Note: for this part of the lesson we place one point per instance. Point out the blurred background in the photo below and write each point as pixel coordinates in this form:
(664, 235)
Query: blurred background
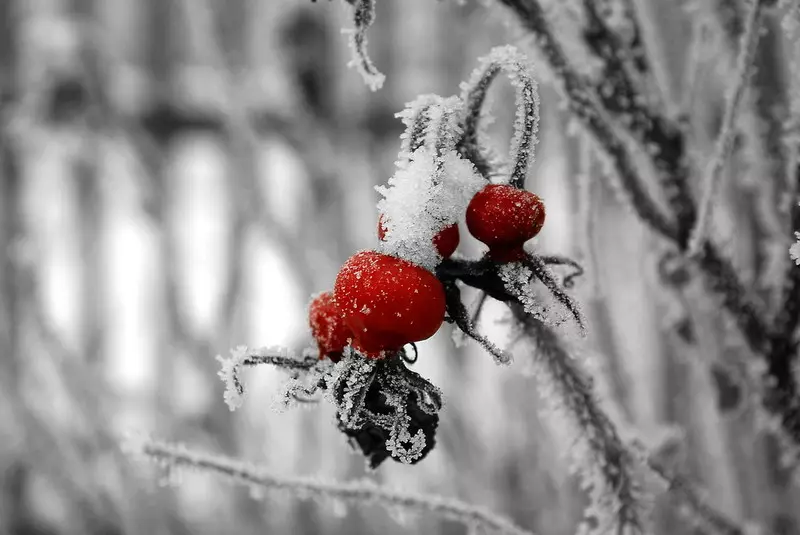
(177, 177)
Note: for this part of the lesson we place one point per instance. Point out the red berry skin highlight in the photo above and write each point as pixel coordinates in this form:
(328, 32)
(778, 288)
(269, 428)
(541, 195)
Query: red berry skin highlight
(504, 218)
(446, 240)
(328, 326)
(388, 302)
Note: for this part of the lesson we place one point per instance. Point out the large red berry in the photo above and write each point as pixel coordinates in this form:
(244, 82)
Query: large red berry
(328, 327)
(504, 218)
(388, 302)
(445, 241)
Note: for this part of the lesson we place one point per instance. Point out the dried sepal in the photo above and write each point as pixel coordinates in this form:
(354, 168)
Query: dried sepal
(526, 122)
(387, 411)
(558, 260)
(540, 270)
(461, 317)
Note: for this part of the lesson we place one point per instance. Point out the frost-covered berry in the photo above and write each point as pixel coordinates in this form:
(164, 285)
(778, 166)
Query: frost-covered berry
(327, 326)
(388, 302)
(445, 241)
(504, 218)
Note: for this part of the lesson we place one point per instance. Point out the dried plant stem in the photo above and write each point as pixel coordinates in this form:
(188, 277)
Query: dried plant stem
(357, 492)
(727, 132)
(603, 462)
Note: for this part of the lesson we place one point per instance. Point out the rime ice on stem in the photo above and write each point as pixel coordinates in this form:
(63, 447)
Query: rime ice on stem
(363, 17)
(608, 470)
(526, 122)
(352, 492)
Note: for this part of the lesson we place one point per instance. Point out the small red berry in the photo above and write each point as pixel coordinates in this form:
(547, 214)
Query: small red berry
(445, 241)
(388, 302)
(328, 327)
(504, 218)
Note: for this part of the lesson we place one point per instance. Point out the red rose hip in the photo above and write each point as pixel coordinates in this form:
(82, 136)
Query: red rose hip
(388, 302)
(504, 218)
(445, 241)
(327, 326)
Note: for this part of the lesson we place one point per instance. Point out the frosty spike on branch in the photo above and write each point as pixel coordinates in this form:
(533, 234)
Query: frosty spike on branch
(363, 17)
(526, 123)
(415, 117)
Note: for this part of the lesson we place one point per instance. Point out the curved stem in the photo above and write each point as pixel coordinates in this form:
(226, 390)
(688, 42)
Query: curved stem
(526, 121)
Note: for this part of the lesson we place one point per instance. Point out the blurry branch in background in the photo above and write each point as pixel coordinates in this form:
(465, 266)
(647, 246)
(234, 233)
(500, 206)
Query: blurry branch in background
(172, 456)
(665, 146)
(725, 138)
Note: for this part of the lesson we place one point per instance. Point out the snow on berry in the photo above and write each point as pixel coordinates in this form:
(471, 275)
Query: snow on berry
(445, 241)
(388, 302)
(327, 326)
(432, 185)
(504, 218)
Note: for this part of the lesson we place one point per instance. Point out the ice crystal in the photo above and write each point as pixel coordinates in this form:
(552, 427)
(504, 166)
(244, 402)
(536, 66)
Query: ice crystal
(794, 250)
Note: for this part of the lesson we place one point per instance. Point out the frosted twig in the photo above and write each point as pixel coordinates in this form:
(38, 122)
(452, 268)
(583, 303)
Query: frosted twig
(606, 467)
(363, 17)
(242, 356)
(526, 121)
(354, 492)
(727, 131)
(583, 103)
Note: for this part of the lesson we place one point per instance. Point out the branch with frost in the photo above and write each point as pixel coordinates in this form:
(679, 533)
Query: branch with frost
(727, 132)
(621, 92)
(609, 472)
(526, 121)
(230, 371)
(363, 17)
(719, 273)
(355, 492)
(583, 103)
